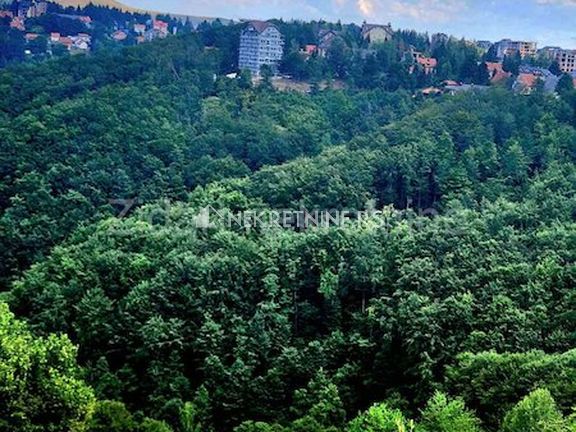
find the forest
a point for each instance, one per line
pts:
(457, 315)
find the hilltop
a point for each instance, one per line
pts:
(125, 8)
(105, 3)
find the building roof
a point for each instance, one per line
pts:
(119, 35)
(261, 26)
(310, 49)
(66, 41)
(366, 28)
(527, 80)
(494, 67)
(427, 62)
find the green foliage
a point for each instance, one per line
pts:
(492, 383)
(40, 383)
(110, 416)
(444, 415)
(469, 249)
(380, 418)
(537, 412)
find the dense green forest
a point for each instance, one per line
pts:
(458, 314)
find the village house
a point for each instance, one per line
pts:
(261, 43)
(18, 23)
(531, 77)
(325, 40)
(377, 33)
(309, 50)
(119, 35)
(140, 29)
(31, 37)
(497, 73)
(81, 42)
(6, 14)
(427, 64)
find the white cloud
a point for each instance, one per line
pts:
(366, 7)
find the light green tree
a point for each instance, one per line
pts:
(40, 384)
(445, 415)
(537, 412)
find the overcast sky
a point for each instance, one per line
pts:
(548, 22)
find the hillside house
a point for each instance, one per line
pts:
(18, 23)
(377, 33)
(140, 29)
(261, 43)
(325, 40)
(531, 77)
(428, 64)
(497, 73)
(119, 35)
(309, 50)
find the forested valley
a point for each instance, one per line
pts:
(457, 315)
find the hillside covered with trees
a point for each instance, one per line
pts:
(450, 308)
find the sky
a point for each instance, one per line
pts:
(548, 22)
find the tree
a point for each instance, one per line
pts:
(444, 415)
(267, 73)
(482, 75)
(40, 384)
(381, 418)
(555, 68)
(537, 412)
(565, 85)
(110, 416)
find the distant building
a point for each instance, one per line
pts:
(497, 73)
(29, 8)
(484, 45)
(427, 64)
(531, 77)
(160, 26)
(549, 52)
(377, 33)
(81, 42)
(261, 43)
(566, 60)
(37, 9)
(140, 29)
(507, 47)
(325, 40)
(309, 50)
(119, 35)
(18, 23)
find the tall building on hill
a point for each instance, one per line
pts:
(261, 43)
(566, 60)
(507, 47)
(30, 8)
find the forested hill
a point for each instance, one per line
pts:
(455, 315)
